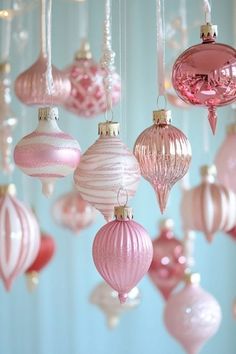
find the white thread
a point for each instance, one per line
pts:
(160, 46)
(83, 20)
(207, 10)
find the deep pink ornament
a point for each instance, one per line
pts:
(168, 263)
(204, 74)
(73, 212)
(88, 97)
(122, 252)
(192, 316)
(164, 154)
(209, 207)
(48, 153)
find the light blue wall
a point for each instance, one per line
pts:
(58, 319)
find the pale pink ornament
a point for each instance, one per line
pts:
(48, 153)
(19, 236)
(122, 252)
(164, 155)
(104, 168)
(214, 203)
(192, 316)
(106, 299)
(169, 263)
(88, 97)
(204, 74)
(73, 212)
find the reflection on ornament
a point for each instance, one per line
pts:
(106, 299)
(171, 95)
(164, 155)
(216, 206)
(104, 168)
(88, 98)
(122, 252)
(47, 153)
(192, 316)
(169, 263)
(19, 236)
(73, 212)
(204, 74)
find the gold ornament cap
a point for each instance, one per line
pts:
(208, 30)
(84, 52)
(9, 189)
(48, 113)
(231, 128)
(5, 67)
(208, 171)
(109, 128)
(166, 224)
(162, 116)
(123, 212)
(192, 278)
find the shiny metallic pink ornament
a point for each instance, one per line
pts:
(73, 212)
(48, 153)
(105, 167)
(122, 252)
(209, 207)
(204, 74)
(169, 263)
(164, 155)
(192, 316)
(19, 236)
(88, 97)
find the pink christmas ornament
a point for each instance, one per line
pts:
(192, 316)
(47, 153)
(72, 212)
(164, 155)
(171, 95)
(216, 206)
(19, 236)
(106, 299)
(122, 252)
(169, 263)
(88, 97)
(104, 168)
(204, 74)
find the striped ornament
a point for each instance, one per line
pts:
(47, 153)
(209, 207)
(19, 237)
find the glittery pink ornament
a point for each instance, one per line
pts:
(47, 153)
(73, 212)
(122, 252)
(88, 97)
(209, 207)
(192, 316)
(19, 236)
(169, 263)
(104, 168)
(204, 74)
(164, 155)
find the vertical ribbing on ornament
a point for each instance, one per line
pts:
(160, 15)
(207, 10)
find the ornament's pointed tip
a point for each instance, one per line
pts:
(212, 118)
(209, 237)
(112, 321)
(162, 197)
(47, 188)
(7, 285)
(123, 297)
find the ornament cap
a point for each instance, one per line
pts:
(5, 67)
(166, 224)
(192, 278)
(231, 129)
(7, 189)
(208, 171)
(109, 128)
(123, 213)
(162, 116)
(208, 31)
(84, 52)
(48, 113)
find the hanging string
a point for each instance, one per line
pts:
(123, 66)
(207, 10)
(189, 242)
(5, 40)
(160, 47)
(183, 16)
(83, 20)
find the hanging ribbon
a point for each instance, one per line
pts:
(207, 10)
(183, 16)
(189, 241)
(83, 20)
(160, 47)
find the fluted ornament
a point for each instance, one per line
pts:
(122, 252)
(192, 316)
(164, 154)
(48, 153)
(104, 168)
(215, 205)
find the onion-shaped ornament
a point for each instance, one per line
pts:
(122, 252)
(192, 316)
(48, 153)
(209, 207)
(19, 236)
(164, 155)
(204, 74)
(106, 299)
(169, 263)
(104, 168)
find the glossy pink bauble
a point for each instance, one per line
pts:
(48, 153)
(192, 316)
(122, 252)
(164, 155)
(31, 86)
(209, 207)
(73, 212)
(19, 236)
(168, 263)
(204, 75)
